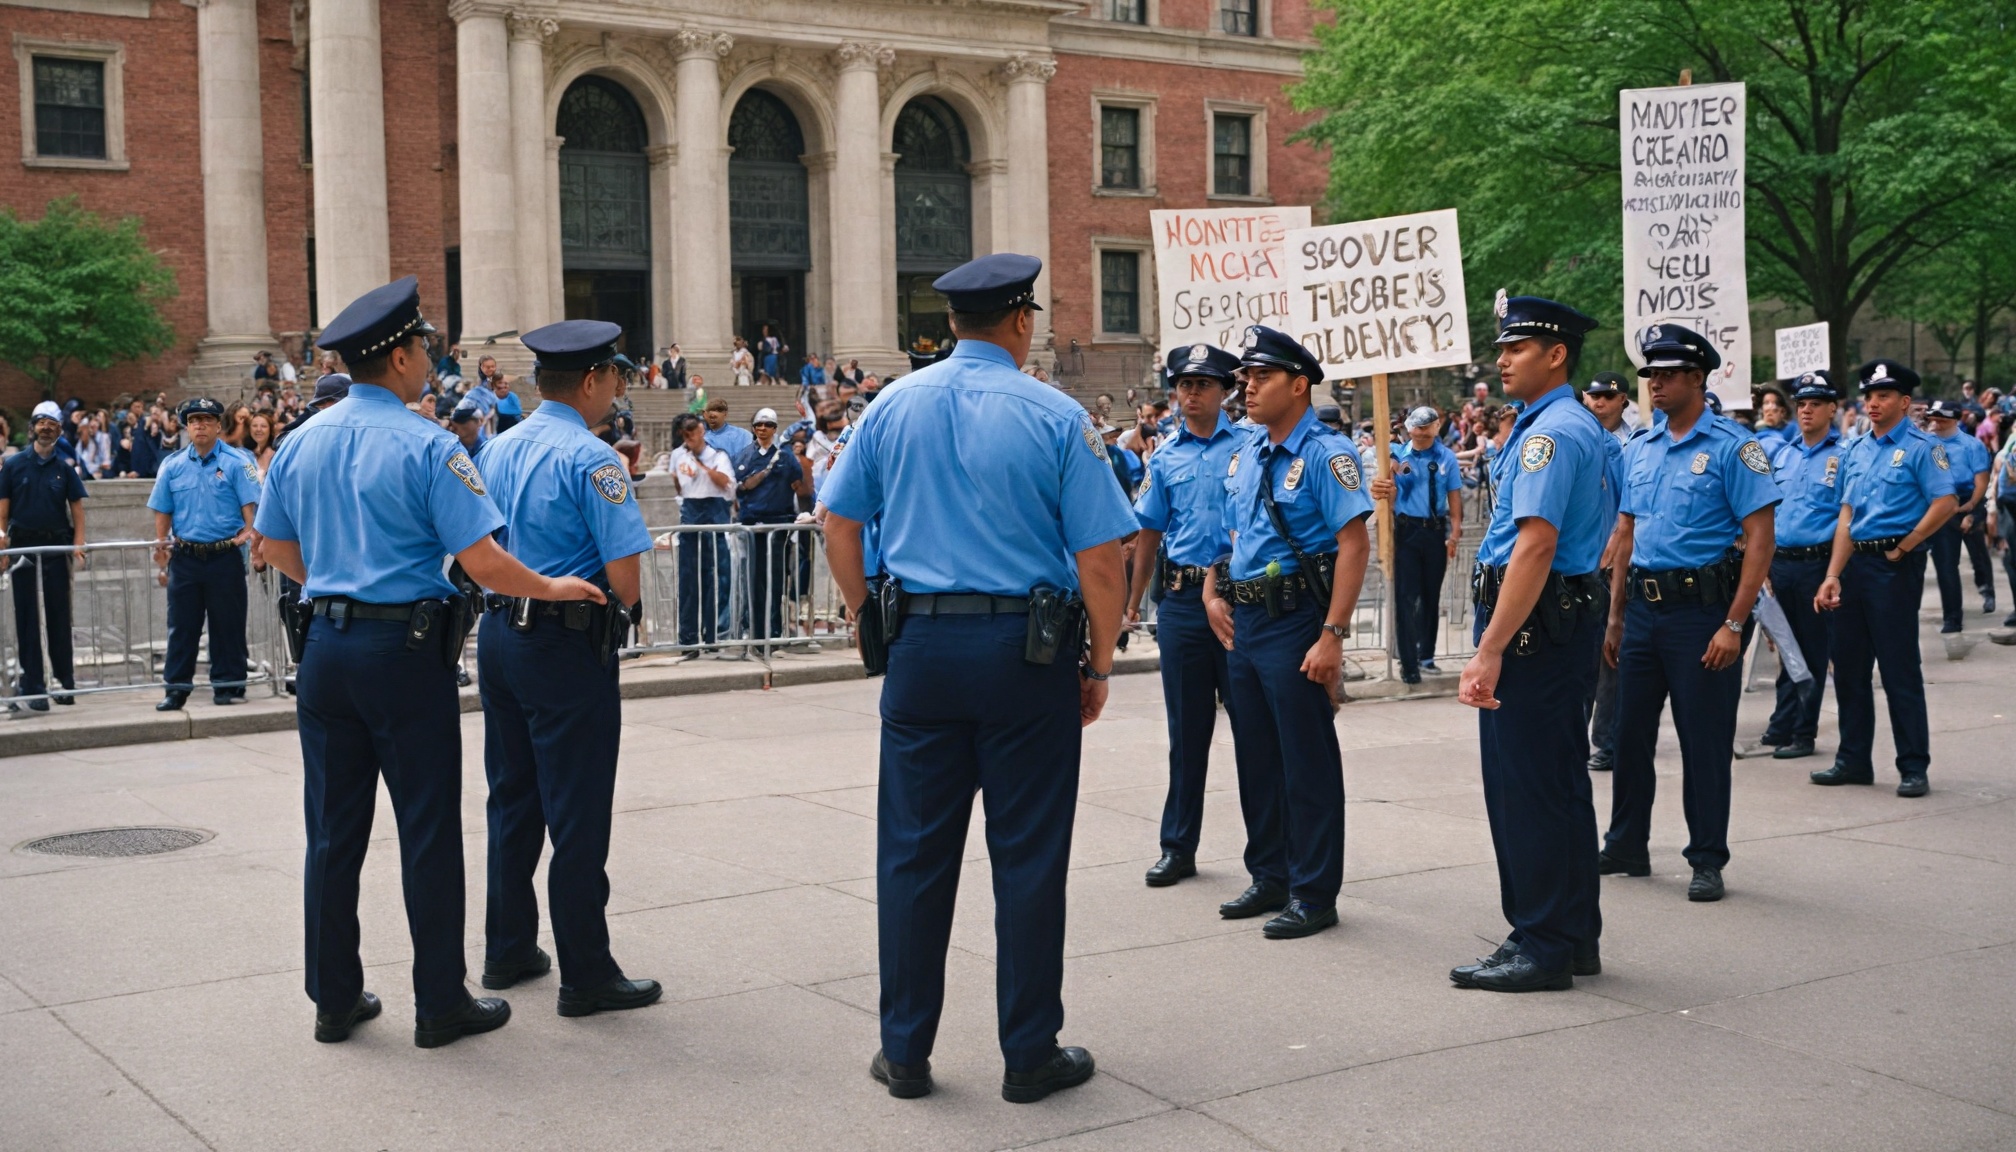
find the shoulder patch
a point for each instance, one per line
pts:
(252, 471)
(1939, 457)
(1537, 452)
(1093, 442)
(1344, 466)
(465, 471)
(1753, 457)
(1147, 482)
(610, 481)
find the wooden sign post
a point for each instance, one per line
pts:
(1382, 448)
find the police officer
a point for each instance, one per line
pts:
(1427, 493)
(769, 480)
(42, 506)
(1606, 400)
(1182, 513)
(1967, 460)
(361, 504)
(552, 715)
(466, 422)
(1807, 466)
(203, 500)
(1898, 493)
(1693, 485)
(1283, 605)
(988, 537)
(1540, 606)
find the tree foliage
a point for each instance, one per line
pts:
(1876, 128)
(74, 288)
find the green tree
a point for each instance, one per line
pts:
(76, 289)
(1962, 291)
(1875, 127)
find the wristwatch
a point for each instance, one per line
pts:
(1735, 626)
(1337, 630)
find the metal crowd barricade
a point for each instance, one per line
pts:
(739, 591)
(118, 627)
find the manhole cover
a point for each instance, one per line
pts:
(111, 842)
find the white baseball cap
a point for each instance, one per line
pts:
(46, 410)
(765, 416)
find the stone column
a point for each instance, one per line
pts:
(234, 193)
(346, 85)
(1028, 176)
(556, 278)
(700, 242)
(486, 163)
(529, 132)
(862, 325)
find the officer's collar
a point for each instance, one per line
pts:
(971, 349)
(1222, 428)
(1832, 438)
(553, 410)
(1702, 423)
(1898, 431)
(1296, 436)
(374, 394)
(216, 446)
(1533, 408)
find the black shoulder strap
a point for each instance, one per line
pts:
(1310, 572)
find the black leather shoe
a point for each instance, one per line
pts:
(485, 1014)
(38, 705)
(1601, 761)
(1841, 773)
(498, 975)
(1987, 603)
(1913, 784)
(1588, 961)
(1069, 1068)
(1706, 887)
(905, 1081)
(1794, 750)
(1608, 865)
(615, 996)
(227, 699)
(62, 699)
(1265, 896)
(172, 702)
(334, 1027)
(1299, 920)
(1520, 974)
(1173, 866)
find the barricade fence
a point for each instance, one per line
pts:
(739, 591)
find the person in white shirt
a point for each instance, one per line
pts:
(706, 479)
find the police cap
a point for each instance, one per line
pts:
(1881, 373)
(1942, 410)
(464, 413)
(332, 386)
(992, 283)
(1264, 347)
(1815, 385)
(575, 345)
(1671, 346)
(1203, 360)
(1524, 317)
(376, 321)
(199, 406)
(1605, 384)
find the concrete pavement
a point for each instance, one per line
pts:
(1850, 993)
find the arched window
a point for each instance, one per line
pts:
(768, 220)
(605, 180)
(934, 193)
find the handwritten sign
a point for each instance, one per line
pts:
(1802, 350)
(1380, 295)
(1682, 155)
(1220, 269)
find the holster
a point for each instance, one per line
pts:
(1056, 622)
(616, 620)
(876, 624)
(295, 618)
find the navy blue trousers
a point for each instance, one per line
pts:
(552, 718)
(212, 587)
(1289, 723)
(369, 707)
(1794, 583)
(1420, 561)
(46, 574)
(1945, 551)
(705, 567)
(1195, 676)
(1660, 658)
(1877, 626)
(963, 712)
(1535, 752)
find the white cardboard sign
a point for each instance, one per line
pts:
(1380, 295)
(1219, 269)
(1802, 350)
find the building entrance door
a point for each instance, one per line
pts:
(616, 296)
(776, 301)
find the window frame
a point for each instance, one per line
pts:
(110, 54)
(1263, 20)
(1151, 14)
(1144, 151)
(1147, 314)
(1256, 140)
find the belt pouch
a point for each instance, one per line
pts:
(1048, 619)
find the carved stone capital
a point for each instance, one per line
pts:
(689, 43)
(1035, 69)
(862, 55)
(528, 26)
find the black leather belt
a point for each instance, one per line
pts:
(1879, 546)
(965, 604)
(343, 607)
(523, 612)
(1292, 585)
(215, 547)
(1710, 584)
(1183, 576)
(1441, 522)
(1804, 552)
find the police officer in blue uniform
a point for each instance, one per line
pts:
(769, 480)
(203, 500)
(361, 505)
(1807, 466)
(1898, 493)
(1427, 493)
(552, 714)
(1283, 605)
(42, 506)
(1967, 463)
(1693, 486)
(992, 539)
(1540, 607)
(1183, 533)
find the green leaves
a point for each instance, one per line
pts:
(73, 288)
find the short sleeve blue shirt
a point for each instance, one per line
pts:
(985, 479)
(1809, 479)
(205, 496)
(39, 491)
(1892, 479)
(1966, 458)
(1422, 480)
(731, 438)
(1688, 497)
(1184, 495)
(377, 496)
(1561, 467)
(1317, 483)
(565, 496)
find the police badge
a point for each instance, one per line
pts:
(1344, 466)
(1232, 469)
(1537, 452)
(1700, 464)
(611, 483)
(1199, 353)
(1833, 467)
(1498, 306)
(1294, 479)
(1753, 456)
(1897, 458)
(465, 471)
(1251, 340)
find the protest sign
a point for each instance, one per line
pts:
(1219, 269)
(1802, 349)
(1379, 296)
(1682, 152)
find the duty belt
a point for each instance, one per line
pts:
(344, 608)
(1422, 521)
(1804, 553)
(215, 547)
(964, 604)
(1879, 546)
(1709, 584)
(524, 613)
(1183, 576)
(1287, 588)
(1562, 599)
